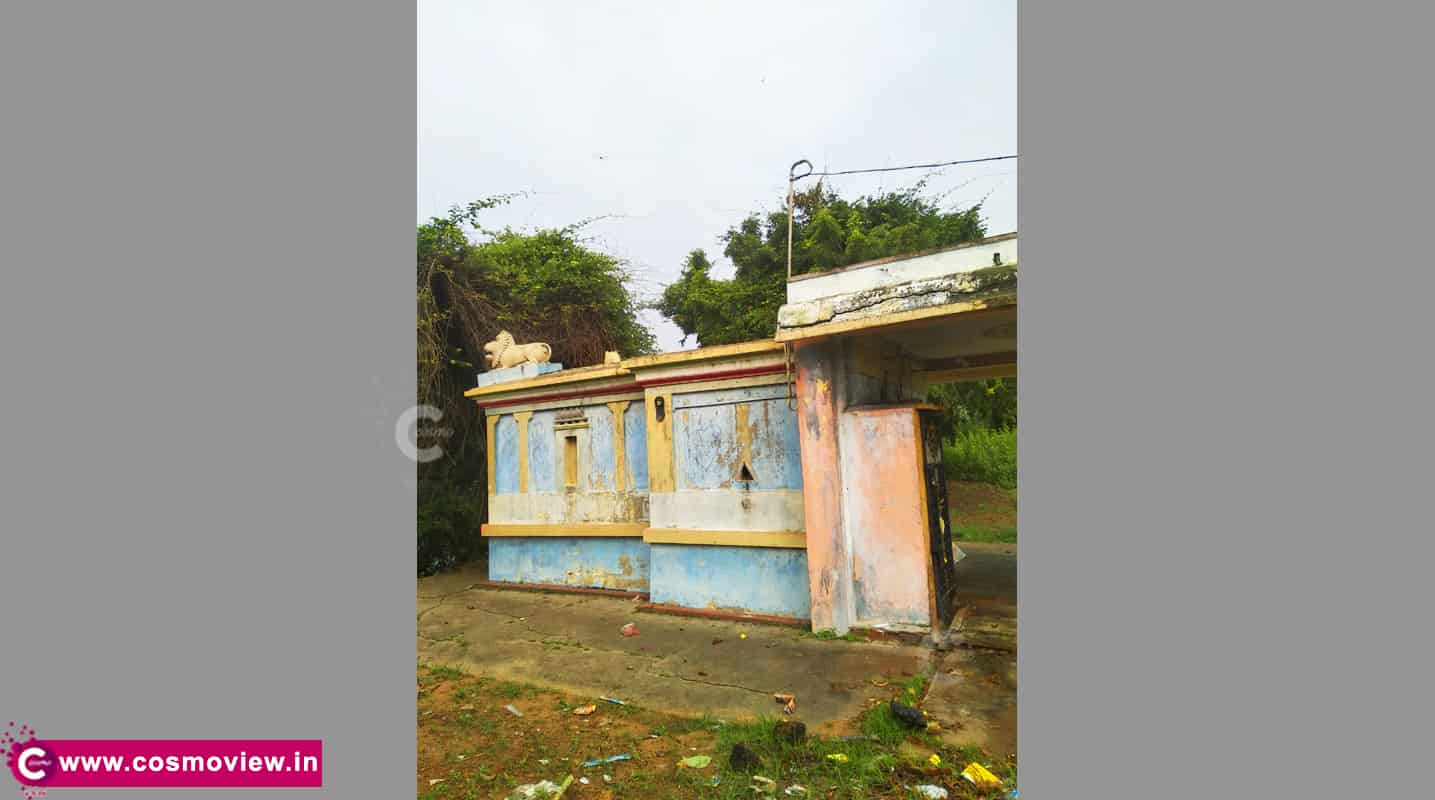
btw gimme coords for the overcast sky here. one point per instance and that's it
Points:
(681, 118)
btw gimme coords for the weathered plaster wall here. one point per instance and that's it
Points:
(829, 565)
(543, 470)
(635, 444)
(716, 431)
(884, 516)
(715, 434)
(600, 466)
(725, 457)
(723, 510)
(505, 445)
(568, 508)
(596, 497)
(595, 562)
(883, 275)
(759, 579)
(846, 481)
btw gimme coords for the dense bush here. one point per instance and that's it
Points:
(448, 522)
(979, 454)
(546, 286)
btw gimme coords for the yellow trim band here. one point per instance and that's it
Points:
(660, 443)
(620, 452)
(492, 420)
(579, 529)
(796, 540)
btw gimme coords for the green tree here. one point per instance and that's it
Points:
(547, 286)
(828, 231)
(985, 404)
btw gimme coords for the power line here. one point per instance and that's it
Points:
(793, 178)
(896, 169)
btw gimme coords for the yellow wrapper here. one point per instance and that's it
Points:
(981, 777)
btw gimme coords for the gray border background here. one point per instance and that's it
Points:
(208, 333)
(1225, 422)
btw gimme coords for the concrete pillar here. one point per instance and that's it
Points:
(829, 558)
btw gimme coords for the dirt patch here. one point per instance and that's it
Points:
(475, 748)
(984, 505)
(470, 746)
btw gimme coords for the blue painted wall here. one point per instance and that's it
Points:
(599, 562)
(505, 455)
(765, 580)
(602, 460)
(542, 469)
(776, 454)
(726, 396)
(705, 441)
(635, 443)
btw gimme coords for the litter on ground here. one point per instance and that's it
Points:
(610, 759)
(534, 791)
(981, 777)
(788, 701)
(696, 762)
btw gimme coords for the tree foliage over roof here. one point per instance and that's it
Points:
(828, 232)
(544, 286)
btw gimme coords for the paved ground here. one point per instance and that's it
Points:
(695, 666)
(986, 595)
(679, 664)
(973, 690)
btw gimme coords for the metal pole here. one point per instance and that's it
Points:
(792, 178)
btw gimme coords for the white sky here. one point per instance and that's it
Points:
(683, 117)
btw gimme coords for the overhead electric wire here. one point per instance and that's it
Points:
(913, 166)
(793, 178)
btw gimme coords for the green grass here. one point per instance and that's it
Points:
(829, 635)
(880, 761)
(982, 455)
(443, 673)
(977, 533)
(868, 765)
(872, 765)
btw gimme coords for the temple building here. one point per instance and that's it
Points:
(798, 477)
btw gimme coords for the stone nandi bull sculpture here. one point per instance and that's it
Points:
(504, 352)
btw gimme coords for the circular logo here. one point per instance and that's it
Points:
(34, 763)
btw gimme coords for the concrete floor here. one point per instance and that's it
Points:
(973, 690)
(690, 666)
(683, 665)
(986, 595)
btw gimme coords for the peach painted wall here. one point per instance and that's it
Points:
(884, 516)
(828, 562)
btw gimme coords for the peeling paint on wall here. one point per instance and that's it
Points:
(709, 446)
(505, 436)
(822, 481)
(601, 461)
(635, 441)
(594, 562)
(727, 510)
(884, 516)
(568, 507)
(543, 475)
(759, 579)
